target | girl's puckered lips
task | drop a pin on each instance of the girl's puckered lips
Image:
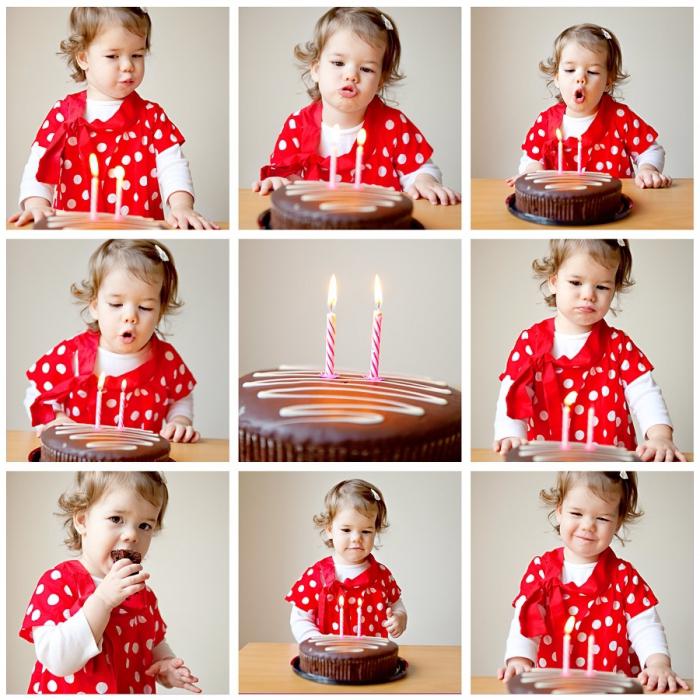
(348, 91)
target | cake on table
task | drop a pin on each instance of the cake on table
(574, 682)
(349, 659)
(306, 204)
(569, 198)
(549, 451)
(75, 442)
(296, 415)
(81, 220)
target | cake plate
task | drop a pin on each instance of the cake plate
(400, 672)
(264, 224)
(621, 213)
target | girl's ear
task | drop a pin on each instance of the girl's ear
(92, 307)
(81, 59)
(313, 71)
(79, 522)
(551, 282)
(557, 514)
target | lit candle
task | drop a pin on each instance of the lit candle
(329, 368)
(98, 405)
(122, 397)
(579, 155)
(118, 173)
(361, 138)
(589, 431)
(591, 653)
(359, 617)
(560, 154)
(376, 340)
(566, 652)
(76, 364)
(341, 603)
(566, 419)
(335, 133)
(94, 185)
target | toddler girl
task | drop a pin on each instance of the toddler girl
(131, 286)
(585, 68)
(607, 598)
(349, 592)
(576, 356)
(95, 625)
(106, 49)
(354, 55)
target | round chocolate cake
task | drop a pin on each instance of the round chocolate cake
(74, 442)
(292, 415)
(548, 451)
(569, 197)
(575, 682)
(313, 205)
(81, 220)
(349, 659)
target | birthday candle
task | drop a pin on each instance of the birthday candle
(377, 318)
(341, 603)
(98, 404)
(361, 137)
(120, 421)
(579, 155)
(560, 154)
(94, 185)
(566, 419)
(335, 133)
(329, 369)
(591, 652)
(566, 652)
(589, 431)
(359, 617)
(118, 173)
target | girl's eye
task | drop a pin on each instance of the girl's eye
(345, 529)
(568, 70)
(115, 519)
(603, 288)
(337, 63)
(576, 283)
(145, 526)
(592, 72)
(145, 308)
(576, 514)
(368, 70)
(115, 306)
(605, 520)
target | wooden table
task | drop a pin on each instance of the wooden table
(265, 668)
(670, 208)
(482, 454)
(487, 685)
(432, 216)
(223, 225)
(21, 442)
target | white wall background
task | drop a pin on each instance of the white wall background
(657, 313)
(508, 90)
(189, 572)
(509, 527)
(186, 73)
(271, 88)
(41, 312)
(282, 304)
(422, 548)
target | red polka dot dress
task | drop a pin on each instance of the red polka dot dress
(66, 375)
(318, 590)
(601, 606)
(615, 136)
(599, 373)
(134, 629)
(394, 147)
(132, 138)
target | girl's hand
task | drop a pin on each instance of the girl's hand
(658, 675)
(121, 582)
(179, 430)
(35, 209)
(514, 667)
(649, 177)
(506, 444)
(172, 673)
(659, 446)
(185, 217)
(271, 183)
(429, 188)
(395, 622)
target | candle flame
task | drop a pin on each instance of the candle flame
(341, 601)
(570, 398)
(359, 602)
(558, 132)
(101, 381)
(332, 293)
(377, 292)
(569, 625)
(94, 170)
(123, 384)
(361, 137)
(118, 172)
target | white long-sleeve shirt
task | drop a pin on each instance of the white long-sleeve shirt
(645, 631)
(643, 395)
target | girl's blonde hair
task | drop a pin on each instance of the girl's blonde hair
(87, 22)
(605, 485)
(353, 493)
(593, 38)
(145, 259)
(89, 487)
(610, 253)
(369, 24)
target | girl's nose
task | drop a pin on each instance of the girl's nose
(351, 73)
(126, 65)
(129, 315)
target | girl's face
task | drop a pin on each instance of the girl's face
(113, 63)
(120, 519)
(582, 78)
(127, 310)
(587, 524)
(584, 291)
(353, 535)
(348, 74)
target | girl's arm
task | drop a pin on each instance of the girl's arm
(508, 432)
(303, 624)
(182, 214)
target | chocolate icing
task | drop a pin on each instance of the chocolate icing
(293, 415)
(313, 205)
(132, 555)
(549, 681)
(548, 451)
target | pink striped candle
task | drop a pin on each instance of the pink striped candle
(560, 154)
(579, 155)
(591, 654)
(118, 173)
(566, 651)
(332, 184)
(589, 430)
(329, 365)
(566, 419)
(98, 403)
(341, 607)
(122, 397)
(376, 340)
(94, 185)
(359, 617)
(361, 138)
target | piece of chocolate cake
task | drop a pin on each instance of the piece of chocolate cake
(118, 554)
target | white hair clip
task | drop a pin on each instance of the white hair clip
(621, 242)
(162, 254)
(623, 475)
(390, 27)
(606, 33)
(376, 495)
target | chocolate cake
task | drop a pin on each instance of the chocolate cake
(575, 682)
(569, 197)
(313, 205)
(74, 442)
(548, 451)
(294, 415)
(349, 659)
(133, 556)
(81, 220)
